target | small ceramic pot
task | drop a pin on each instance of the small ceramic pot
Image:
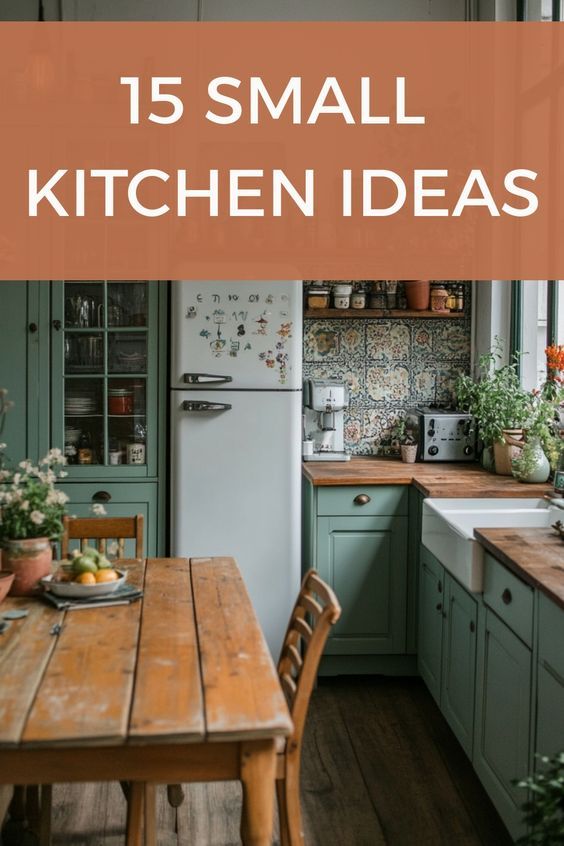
(29, 560)
(408, 453)
(417, 294)
(6, 579)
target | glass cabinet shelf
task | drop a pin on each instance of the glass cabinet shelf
(106, 345)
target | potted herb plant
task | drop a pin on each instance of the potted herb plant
(541, 450)
(406, 437)
(499, 404)
(544, 811)
(31, 512)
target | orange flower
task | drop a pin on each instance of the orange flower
(555, 358)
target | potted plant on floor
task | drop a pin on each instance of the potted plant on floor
(31, 513)
(544, 811)
(406, 437)
(499, 404)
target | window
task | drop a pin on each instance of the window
(537, 321)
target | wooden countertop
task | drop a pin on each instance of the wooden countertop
(438, 480)
(536, 555)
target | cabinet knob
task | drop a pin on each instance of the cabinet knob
(33, 327)
(57, 325)
(101, 496)
(361, 499)
(506, 596)
(439, 606)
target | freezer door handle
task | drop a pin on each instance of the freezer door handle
(206, 379)
(204, 405)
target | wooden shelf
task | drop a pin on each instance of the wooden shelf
(342, 313)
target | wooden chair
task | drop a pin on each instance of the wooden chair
(316, 610)
(101, 530)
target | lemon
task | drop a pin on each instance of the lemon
(106, 576)
(86, 579)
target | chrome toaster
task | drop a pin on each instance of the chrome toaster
(443, 434)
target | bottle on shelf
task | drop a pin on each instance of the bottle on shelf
(85, 451)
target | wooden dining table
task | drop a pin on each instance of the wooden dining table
(178, 686)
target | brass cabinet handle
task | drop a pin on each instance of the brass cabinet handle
(439, 606)
(506, 596)
(440, 586)
(472, 626)
(361, 499)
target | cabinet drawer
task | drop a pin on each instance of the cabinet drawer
(362, 500)
(510, 598)
(119, 500)
(551, 634)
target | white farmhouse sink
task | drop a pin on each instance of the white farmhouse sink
(448, 530)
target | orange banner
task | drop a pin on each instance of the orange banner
(281, 150)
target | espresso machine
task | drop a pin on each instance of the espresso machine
(324, 403)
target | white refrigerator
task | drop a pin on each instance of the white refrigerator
(236, 406)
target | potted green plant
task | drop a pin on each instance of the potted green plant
(499, 405)
(31, 513)
(406, 437)
(544, 810)
(541, 449)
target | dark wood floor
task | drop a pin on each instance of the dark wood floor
(380, 767)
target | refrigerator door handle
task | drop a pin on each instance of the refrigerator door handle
(206, 379)
(204, 405)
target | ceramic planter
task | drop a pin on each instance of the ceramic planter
(408, 453)
(417, 294)
(506, 450)
(29, 560)
(537, 462)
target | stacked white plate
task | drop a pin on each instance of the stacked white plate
(77, 405)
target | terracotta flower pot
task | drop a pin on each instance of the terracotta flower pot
(408, 453)
(508, 449)
(29, 560)
(417, 294)
(6, 579)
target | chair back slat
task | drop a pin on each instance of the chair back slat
(311, 606)
(289, 687)
(100, 530)
(303, 646)
(302, 629)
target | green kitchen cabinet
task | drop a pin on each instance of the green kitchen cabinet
(86, 361)
(446, 656)
(357, 538)
(24, 367)
(119, 500)
(458, 673)
(549, 729)
(503, 717)
(430, 633)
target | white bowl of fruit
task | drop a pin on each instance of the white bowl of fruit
(89, 574)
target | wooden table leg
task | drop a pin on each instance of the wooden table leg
(135, 809)
(258, 770)
(150, 802)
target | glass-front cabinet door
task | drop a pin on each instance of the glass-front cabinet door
(105, 356)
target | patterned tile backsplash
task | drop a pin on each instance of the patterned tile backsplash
(390, 366)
